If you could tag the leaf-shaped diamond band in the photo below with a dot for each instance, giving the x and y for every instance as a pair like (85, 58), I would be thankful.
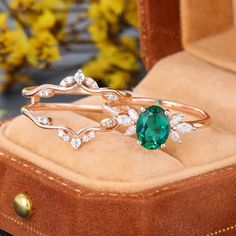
(151, 120)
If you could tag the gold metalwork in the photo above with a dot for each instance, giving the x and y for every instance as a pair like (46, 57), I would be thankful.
(23, 205)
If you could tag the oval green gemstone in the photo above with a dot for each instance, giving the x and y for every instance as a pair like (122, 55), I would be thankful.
(153, 127)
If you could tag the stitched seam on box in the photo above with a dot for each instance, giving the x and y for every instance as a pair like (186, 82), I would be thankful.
(140, 195)
(22, 224)
(144, 32)
(222, 231)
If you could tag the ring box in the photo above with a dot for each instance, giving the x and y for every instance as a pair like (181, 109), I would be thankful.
(113, 186)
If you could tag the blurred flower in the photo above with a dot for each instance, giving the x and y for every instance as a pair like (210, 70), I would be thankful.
(44, 22)
(118, 56)
(34, 34)
(111, 9)
(44, 47)
(3, 21)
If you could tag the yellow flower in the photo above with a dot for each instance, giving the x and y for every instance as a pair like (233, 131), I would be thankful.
(94, 11)
(97, 68)
(45, 22)
(17, 46)
(99, 30)
(115, 6)
(3, 21)
(118, 79)
(112, 10)
(131, 13)
(129, 43)
(45, 47)
(125, 60)
(116, 56)
(23, 4)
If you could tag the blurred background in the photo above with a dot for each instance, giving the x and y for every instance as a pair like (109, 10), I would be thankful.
(45, 41)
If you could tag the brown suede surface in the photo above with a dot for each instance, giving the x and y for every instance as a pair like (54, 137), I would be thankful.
(209, 32)
(189, 207)
(160, 29)
(179, 206)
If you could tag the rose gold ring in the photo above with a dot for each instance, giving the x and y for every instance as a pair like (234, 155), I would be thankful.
(151, 120)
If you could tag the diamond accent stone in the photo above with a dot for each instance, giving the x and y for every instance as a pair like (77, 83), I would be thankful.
(75, 143)
(133, 114)
(66, 138)
(176, 119)
(43, 120)
(174, 136)
(63, 135)
(107, 123)
(45, 93)
(92, 134)
(124, 120)
(86, 138)
(79, 76)
(91, 83)
(184, 127)
(131, 130)
(112, 97)
(68, 81)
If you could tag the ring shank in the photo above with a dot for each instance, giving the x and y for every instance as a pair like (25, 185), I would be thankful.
(203, 117)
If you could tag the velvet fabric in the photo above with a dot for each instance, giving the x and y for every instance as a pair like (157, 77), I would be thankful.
(186, 189)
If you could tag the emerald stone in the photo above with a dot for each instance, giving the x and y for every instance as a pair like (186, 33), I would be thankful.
(153, 127)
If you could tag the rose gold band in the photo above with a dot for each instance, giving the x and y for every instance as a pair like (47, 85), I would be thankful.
(117, 104)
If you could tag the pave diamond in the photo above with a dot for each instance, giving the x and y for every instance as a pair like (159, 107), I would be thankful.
(68, 81)
(43, 120)
(184, 127)
(133, 114)
(75, 143)
(45, 93)
(176, 119)
(124, 120)
(92, 134)
(79, 76)
(91, 83)
(112, 97)
(175, 136)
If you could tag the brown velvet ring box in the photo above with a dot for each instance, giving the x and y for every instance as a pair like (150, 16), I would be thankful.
(187, 189)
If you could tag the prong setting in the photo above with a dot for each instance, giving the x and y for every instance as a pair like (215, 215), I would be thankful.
(142, 109)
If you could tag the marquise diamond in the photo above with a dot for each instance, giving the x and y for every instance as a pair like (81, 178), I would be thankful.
(75, 143)
(107, 123)
(174, 136)
(79, 76)
(184, 127)
(91, 83)
(124, 120)
(45, 93)
(131, 130)
(92, 134)
(43, 120)
(68, 81)
(176, 119)
(133, 114)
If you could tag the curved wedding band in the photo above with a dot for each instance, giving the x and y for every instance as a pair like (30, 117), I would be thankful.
(152, 120)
